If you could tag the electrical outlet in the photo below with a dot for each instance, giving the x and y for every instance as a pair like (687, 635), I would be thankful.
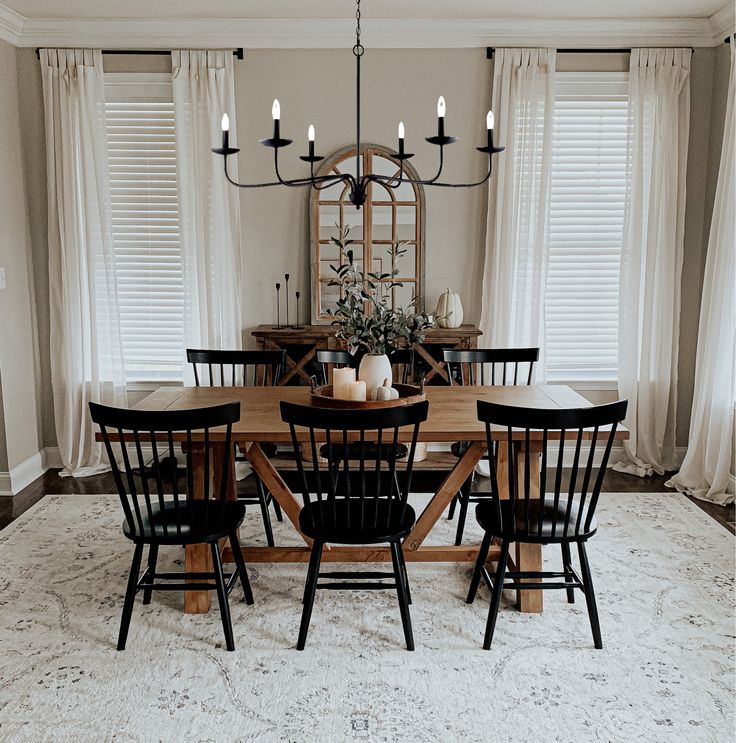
(3, 285)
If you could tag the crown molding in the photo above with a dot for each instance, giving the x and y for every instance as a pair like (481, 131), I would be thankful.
(723, 23)
(332, 33)
(11, 25)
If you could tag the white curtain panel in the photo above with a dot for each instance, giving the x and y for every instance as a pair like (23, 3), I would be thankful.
(710, 452)
(651, 263)
(209, 207)
(516, 236)
(86, 349)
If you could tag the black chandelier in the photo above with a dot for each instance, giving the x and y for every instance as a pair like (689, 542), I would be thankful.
(357, 183)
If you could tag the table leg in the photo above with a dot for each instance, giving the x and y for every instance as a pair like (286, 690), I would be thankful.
(274, 482)
(446, 492)
(197, 557)
(527, 557)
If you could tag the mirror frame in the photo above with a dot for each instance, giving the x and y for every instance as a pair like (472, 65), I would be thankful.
(367, 150)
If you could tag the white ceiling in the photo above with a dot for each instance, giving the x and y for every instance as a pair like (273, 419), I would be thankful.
(169, 9)
(387, 23)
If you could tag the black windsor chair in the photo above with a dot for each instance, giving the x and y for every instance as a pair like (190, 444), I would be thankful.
(531, 514)
(215, 368)
(505, 366)
(355, 502)
(155, 517)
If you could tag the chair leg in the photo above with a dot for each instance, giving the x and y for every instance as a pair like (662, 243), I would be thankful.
(152, 560)
(310, 588)
(222, 596)
(276, 508)
(464, 498)
(566, 565)
(135, 568)
(479, 563)
(402, 594)
(404, 574)
(265, 514)
(453, 504)
(496, 595)
(240, 566)
(590, 596)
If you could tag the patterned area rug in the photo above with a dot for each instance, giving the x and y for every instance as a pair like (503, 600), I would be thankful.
(663, 572)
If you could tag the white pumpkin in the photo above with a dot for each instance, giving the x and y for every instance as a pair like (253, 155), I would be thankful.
(449, 310)
(383, 392)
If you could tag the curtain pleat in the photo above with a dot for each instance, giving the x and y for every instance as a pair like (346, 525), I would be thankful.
(86, 348)
(209, 216)
(651, 261)
(710, 453)
(516, 236)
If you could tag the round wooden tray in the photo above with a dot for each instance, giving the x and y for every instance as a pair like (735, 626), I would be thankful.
(321, 397)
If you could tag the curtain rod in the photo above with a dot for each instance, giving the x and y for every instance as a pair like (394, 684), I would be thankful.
(491, 49)
(237, 53)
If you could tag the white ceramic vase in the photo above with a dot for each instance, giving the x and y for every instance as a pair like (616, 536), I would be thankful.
(373, 370)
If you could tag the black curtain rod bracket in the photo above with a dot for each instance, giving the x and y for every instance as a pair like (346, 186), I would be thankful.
(237, 53)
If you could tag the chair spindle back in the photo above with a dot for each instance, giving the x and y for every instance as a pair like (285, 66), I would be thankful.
(374, 476)
(148, 441)
(508, 366)
(532, 504)
(215, 368)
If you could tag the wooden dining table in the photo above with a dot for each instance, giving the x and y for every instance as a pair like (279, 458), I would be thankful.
(452, 417)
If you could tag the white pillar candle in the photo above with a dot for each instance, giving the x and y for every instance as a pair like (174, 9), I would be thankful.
(341, 378)
(357, 391)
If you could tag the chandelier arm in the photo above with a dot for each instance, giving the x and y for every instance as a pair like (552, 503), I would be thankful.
(298, 182)
(248, 185)
(334, 178)
(434, 182)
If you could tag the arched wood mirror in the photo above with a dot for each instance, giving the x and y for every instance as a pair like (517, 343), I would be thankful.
(389, 218)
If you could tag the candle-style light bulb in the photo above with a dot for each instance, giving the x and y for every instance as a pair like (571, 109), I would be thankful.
(401, 130)
(489, 120)
(310, 137)
(276, 113)
(225, 131)
(440, 117)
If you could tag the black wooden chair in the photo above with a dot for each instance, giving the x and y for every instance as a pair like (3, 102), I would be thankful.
(531, 514)
(402, 363)
(335, 358)
(154, 517)
(495, 366)
(215, 368)
(349, 502)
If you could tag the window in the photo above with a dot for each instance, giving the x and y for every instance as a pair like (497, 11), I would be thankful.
(586, 221)
(145, 220)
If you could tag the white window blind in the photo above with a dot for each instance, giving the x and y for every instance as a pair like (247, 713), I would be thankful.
(586, 219)
(145, 214)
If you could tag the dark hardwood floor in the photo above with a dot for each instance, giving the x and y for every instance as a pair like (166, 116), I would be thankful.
(425, 480)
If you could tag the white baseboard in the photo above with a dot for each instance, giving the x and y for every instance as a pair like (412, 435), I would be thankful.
(11, 483)
(52, 458)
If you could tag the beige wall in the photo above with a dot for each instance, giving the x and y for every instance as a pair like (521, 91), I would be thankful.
(17, 326)
(316, 86)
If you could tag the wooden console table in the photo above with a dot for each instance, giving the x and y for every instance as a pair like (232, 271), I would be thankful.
(311, 338)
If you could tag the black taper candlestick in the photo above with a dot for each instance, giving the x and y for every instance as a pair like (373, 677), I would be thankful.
(298, 326)
(286, 276)
(278, 306)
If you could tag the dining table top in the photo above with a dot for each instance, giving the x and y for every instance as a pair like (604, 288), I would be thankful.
(452, 410)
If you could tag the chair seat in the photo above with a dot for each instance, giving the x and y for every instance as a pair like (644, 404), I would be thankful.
(509, 522)
(347, 521)
(200, 521)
